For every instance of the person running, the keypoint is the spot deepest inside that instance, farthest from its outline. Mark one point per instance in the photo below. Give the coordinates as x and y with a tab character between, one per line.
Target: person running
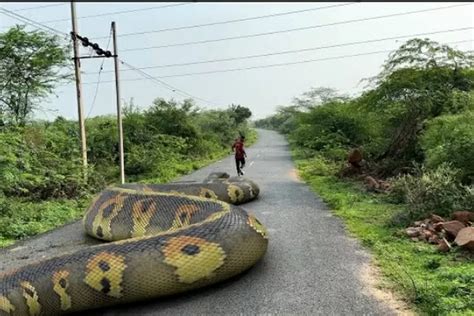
240	154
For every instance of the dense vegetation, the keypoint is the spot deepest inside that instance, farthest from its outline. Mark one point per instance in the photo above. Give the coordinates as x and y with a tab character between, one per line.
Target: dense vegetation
41	179
413	124
414	127
42	183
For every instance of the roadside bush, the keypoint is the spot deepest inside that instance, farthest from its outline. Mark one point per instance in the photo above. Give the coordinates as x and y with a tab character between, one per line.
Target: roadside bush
31	166
328	126
162	152
318	166
450	138
432	191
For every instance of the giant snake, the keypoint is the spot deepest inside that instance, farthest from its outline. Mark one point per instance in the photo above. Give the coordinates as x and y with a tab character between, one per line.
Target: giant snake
164	239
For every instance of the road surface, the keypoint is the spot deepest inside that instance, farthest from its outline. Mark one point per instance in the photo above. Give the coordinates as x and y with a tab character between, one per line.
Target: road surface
311	267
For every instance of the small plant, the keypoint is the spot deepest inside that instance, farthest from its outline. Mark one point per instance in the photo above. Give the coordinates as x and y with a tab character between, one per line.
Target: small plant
432	191
450	138
319	166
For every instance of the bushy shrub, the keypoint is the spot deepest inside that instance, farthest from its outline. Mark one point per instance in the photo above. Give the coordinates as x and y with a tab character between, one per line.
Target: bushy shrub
319	166
33	167
450	138
335	127
433	191
162	152
327	126
43	160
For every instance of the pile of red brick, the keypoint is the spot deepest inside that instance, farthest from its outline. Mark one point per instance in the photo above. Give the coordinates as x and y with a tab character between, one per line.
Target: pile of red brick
436	230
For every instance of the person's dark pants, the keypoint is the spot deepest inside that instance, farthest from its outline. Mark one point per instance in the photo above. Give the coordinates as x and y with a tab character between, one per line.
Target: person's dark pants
240	163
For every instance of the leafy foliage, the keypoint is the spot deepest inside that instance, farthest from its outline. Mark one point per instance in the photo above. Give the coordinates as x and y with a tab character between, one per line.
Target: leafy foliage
435	283
239	113
318	96
415	124
417	111
284	121
31	64
450	138
41	178
330	126
35	164
433	191
36	154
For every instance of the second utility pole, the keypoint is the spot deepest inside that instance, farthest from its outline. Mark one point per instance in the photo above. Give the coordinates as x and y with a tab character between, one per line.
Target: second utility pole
119	108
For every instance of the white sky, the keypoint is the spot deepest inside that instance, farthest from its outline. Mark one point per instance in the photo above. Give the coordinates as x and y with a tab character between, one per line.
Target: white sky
262	90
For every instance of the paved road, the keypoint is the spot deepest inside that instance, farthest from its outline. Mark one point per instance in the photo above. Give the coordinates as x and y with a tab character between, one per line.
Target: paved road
311	266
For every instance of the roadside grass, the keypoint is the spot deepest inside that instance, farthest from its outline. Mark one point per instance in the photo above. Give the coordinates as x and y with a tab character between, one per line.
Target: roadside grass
431	282
21	218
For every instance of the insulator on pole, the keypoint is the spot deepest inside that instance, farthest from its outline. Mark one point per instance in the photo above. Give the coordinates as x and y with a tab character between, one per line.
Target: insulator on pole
85	41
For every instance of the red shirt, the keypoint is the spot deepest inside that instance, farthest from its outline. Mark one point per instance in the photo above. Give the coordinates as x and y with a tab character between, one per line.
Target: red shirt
238	146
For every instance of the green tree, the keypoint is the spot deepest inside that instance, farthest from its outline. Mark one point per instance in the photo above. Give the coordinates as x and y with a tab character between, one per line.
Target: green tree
31	64
450	139
172	118
419	81
239	113
318	96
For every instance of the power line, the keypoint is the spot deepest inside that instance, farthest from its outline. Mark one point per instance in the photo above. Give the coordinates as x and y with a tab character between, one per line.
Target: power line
285	64
177	28
166	85
120	12
301	50
99	77
272	65
28	21
40	7
292	30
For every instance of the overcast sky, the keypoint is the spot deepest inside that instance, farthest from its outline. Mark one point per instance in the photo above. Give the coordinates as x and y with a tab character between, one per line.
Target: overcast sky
262	89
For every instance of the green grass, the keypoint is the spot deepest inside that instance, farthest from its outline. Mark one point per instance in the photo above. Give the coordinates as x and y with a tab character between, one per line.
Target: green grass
21	218
431	282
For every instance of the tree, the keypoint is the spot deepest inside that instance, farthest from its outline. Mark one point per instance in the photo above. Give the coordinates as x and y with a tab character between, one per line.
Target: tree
318	96
172	118
31	64
419	81
424	54
239	113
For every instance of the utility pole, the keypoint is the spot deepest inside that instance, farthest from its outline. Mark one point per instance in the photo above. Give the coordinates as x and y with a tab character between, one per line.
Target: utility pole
77	66
119	107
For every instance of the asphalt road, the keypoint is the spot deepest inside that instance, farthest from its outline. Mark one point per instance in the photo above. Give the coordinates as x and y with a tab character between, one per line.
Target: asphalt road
311	267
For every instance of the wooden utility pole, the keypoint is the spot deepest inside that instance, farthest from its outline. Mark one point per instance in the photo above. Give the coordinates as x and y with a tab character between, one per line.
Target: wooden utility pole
119	107
77	66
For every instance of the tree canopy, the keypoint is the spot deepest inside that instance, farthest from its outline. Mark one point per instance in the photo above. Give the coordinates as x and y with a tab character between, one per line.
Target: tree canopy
31	65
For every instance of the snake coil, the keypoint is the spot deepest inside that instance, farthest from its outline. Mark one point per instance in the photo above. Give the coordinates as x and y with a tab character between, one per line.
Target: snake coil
164	239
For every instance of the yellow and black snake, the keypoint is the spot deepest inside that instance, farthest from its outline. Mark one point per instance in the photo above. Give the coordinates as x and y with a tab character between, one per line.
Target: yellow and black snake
166	239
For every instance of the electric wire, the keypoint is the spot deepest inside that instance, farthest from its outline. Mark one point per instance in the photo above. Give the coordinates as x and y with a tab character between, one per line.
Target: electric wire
272	65
31	22
119	12
285	64
301	50
166	85
177	28
41	7
291	30
99	78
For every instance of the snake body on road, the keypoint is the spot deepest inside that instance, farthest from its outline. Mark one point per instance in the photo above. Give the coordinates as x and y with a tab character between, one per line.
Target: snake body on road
165	239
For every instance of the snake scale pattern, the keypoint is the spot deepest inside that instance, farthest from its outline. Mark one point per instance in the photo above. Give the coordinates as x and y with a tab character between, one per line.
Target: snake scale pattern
163	239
